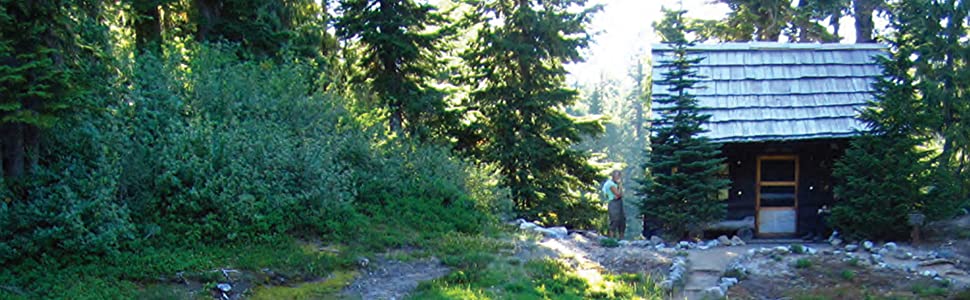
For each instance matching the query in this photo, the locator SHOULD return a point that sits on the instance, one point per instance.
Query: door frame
(757, 192)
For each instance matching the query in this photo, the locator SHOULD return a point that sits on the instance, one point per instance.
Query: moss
(326, 289)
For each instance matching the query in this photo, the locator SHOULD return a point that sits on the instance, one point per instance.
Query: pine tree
(681, 192)
(399, 51)
(885, 175)
(519, 95)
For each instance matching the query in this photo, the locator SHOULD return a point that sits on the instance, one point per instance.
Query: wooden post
(916, 221)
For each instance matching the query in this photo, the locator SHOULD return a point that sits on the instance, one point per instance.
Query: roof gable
(780, 91)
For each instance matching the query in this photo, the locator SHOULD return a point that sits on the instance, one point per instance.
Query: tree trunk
(148, 25)
(208, 11)
(836, 25)
(13, 149)
(863, 10)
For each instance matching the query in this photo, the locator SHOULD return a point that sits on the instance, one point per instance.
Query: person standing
(613, 188)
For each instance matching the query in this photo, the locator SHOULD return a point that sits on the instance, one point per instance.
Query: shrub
(847, 274)
(803, 263)
(609, 243)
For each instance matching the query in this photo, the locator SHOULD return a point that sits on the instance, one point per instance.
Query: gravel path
(388, 279)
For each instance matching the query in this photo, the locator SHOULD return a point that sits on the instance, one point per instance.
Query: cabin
(783, 112)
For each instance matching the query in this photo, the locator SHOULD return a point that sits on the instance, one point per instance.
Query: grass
(609, 243)
(326, 289)
(484, 268)
(803, 263)
(138, 274)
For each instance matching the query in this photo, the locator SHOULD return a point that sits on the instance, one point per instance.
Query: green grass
(485, 269)
(326, 289)
(137, 274)
(803, 263)
(609, 243)
(847, 275)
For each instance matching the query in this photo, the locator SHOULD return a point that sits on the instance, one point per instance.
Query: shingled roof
(780, 91)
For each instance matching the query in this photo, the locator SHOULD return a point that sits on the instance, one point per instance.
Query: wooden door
(776, 195)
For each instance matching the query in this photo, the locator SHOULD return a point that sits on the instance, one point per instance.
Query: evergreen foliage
(400, 42)
(519, 97)
(888, 172)
(681, 192)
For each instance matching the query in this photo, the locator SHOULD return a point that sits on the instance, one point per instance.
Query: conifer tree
(519, 98)
(399, 49)
(885, 175)
(681, 192)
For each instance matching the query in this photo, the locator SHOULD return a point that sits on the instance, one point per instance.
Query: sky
(623, 30)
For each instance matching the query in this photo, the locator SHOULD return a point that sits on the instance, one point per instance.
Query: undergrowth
(486, 268)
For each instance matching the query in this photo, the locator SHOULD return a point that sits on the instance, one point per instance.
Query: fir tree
(398, 58)
(519, 95)
(884, 175)
(681, 193)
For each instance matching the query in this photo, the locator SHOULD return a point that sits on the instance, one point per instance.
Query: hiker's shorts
(617, 217)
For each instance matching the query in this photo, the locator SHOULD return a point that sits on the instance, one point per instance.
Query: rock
(945, 253)
(704, 247)
(938, 261)
(955, 272)
(731, 281)
(224, 287)
(684, 245)
(560, 231)
(851, 247)
(891, 246)
(363, 262)
(903, 255)
(527, 225)
(714, 243)
(724, 240)
(624, 243)
(667, 284)
(518, 221)
(736, 241)
(876, 258)
(640, 243)
(659, 246)
(810, 251)
(714, 292)
(752, 252)
(782, 250)
(835, 242)
(929, 273)
(867, 245)
(656, 240)
(554, 232)
(883, 251)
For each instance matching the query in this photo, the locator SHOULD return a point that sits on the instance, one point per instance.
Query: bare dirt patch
(385, 278)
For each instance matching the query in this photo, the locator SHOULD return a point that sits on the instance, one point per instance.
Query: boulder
(640, 243)
(890, 246)
(714, 292)
(851, 247)
(224, 287)
(731, 281)
(527, 225)
(656, 240)
(667, 284)
(868, 245)
(938, 261)
(624, 243)
(554, 232)
(684, 245)
(724, 240)
(835, 242)
(736, 241)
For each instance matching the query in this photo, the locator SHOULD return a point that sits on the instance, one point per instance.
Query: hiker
(613, 189)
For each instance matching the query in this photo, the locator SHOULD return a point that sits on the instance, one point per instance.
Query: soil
(390, 279)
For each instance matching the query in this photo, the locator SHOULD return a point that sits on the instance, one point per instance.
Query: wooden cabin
(784, 113)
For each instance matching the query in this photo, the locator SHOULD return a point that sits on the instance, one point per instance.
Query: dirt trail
(705, 267)
(388, 279)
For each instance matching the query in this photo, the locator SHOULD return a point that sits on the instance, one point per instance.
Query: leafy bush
(803, 263)
(609, 243)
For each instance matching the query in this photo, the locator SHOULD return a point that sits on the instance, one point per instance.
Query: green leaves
(680, 192)
(518, 88)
